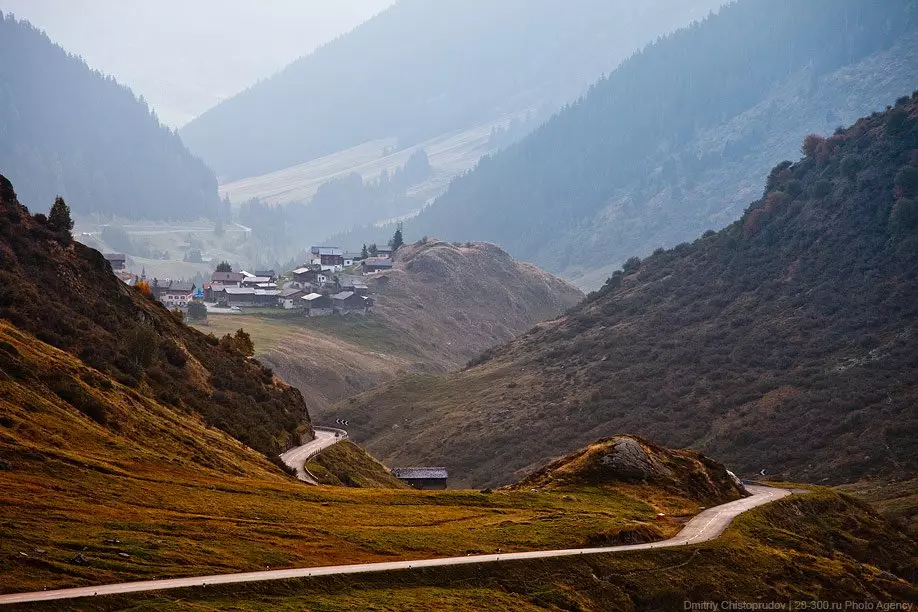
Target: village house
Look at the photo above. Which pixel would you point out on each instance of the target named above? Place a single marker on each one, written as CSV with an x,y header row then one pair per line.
x,y
426,478
384,251
115,260
227,278
247,297
372,265
271,274
349,301
262,282
172,294
329,259
310,274
289,299
178,295
317,304
350,259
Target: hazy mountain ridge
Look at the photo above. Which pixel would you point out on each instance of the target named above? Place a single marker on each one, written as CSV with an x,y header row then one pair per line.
x,y
784,342
387,78
68,130
670,143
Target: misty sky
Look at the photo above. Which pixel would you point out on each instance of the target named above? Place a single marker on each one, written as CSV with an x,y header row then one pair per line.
x,y
184,56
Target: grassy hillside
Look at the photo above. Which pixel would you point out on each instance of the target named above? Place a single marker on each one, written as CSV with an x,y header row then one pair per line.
x,y
346,464
834,549
156,493
677,139
785,342
66,295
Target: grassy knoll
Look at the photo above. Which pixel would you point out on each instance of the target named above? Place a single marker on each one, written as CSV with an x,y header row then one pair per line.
x,y
271,328
346,464
818,546
266,330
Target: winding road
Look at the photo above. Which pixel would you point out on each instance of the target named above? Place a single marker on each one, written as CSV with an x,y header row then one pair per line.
x,y
706,526
297,457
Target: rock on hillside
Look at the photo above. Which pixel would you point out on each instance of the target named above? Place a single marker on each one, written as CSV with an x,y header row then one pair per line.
x,y
632,460
65,294
455,300
785,342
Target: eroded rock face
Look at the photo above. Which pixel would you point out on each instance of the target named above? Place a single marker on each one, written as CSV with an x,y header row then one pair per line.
x,y
629,460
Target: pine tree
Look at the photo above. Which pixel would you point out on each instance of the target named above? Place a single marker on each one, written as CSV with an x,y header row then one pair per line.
x,y
364,253
397,240
59,218
224,266
374,251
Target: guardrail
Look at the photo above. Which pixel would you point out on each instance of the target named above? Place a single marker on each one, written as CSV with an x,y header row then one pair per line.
x,y
342,434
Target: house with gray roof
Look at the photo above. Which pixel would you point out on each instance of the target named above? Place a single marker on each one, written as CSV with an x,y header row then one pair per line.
x,y
426,478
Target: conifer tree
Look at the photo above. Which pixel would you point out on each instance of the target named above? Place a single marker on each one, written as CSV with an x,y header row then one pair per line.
x,y
397,240
59,218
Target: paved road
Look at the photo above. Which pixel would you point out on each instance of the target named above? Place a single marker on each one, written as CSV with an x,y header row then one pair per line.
x,y
706,526
297,457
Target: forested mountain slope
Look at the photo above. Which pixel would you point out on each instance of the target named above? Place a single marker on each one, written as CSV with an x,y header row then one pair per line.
x,y
421,69
677,139
785,342
65,294
68,130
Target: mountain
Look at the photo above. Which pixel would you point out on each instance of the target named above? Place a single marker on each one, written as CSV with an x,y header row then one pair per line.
x,y
677,139
424,69
439,306
65,294
71,131
784,342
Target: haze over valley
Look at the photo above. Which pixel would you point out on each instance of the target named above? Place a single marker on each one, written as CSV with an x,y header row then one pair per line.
x,y
459,304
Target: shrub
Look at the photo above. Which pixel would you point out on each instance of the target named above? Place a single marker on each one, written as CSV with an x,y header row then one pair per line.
x,y
821,189
907,180
904,215
71,392
632,265
812,144
197,311
897,120
141,345
851,165
144,288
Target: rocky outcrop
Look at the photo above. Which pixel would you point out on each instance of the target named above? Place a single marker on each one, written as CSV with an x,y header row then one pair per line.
x,y
632,460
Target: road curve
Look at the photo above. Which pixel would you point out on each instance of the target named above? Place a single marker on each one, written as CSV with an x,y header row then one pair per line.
x,y
297,457
706,526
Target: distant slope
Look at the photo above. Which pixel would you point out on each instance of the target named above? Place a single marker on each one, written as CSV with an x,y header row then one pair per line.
x,y
423,69
66,295
68,130
441,305
677,139
785,342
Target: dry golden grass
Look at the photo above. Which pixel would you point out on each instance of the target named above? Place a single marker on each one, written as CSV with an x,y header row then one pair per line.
x,y
181,498
818,547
